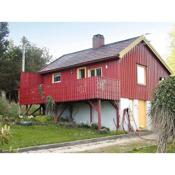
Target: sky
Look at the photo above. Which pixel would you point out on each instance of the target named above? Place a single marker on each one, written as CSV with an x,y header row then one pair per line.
x,y
66,37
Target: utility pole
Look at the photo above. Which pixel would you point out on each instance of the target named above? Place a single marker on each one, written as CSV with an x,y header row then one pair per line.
x,y
23,57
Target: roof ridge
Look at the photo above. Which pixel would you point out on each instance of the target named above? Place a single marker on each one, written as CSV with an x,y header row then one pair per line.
x,y
122,40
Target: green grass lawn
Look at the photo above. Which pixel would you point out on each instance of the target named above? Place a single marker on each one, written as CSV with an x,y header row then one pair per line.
x,y
152,149
24,136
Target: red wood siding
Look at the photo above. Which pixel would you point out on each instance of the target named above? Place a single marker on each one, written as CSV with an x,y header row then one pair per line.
x,y
128,76
68,90
119,79
110,72
29,88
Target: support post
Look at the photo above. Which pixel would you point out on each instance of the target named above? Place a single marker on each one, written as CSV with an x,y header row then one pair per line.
x,y
96,105
27,110
35,111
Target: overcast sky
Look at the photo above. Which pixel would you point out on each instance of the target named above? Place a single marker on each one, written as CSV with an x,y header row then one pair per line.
x,y
62,38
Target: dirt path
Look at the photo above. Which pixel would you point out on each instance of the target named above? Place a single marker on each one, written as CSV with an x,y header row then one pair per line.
x,y
117,145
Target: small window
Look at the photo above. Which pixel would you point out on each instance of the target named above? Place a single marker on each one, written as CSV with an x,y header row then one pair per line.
x,y
81,73
56,78
161,78
95,72
141,75
92,73
98,72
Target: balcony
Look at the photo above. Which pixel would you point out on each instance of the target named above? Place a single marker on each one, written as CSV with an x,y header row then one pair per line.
x,y
82,89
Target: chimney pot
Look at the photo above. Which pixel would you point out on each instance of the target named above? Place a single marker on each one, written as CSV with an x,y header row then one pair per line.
x,y
98,41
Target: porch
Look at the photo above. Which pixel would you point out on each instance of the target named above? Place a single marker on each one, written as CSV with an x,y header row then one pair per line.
x,y
34,91
91,91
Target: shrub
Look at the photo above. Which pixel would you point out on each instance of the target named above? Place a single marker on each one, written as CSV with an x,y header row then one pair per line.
x,y
8,109
163,112
50,106
42,119
83,125
4,136
94,126
4,105
13,110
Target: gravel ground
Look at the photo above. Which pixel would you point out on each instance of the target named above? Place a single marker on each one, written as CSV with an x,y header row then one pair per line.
x,y
96,147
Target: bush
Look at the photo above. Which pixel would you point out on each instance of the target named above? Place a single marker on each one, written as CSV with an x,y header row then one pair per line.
x,y
83,125
13,110
8,109
42,119
4,105
94,126
163,112
4,136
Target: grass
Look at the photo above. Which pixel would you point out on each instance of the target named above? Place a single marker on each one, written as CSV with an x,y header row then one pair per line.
x,y
24,136
152,149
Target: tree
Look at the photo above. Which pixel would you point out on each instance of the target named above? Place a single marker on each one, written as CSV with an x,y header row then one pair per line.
x,y
171,58
11,65
10,71
35,57
163,112
3,47
3,38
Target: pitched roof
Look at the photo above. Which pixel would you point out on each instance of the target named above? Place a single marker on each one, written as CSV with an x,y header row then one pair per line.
x,y
116,49
88,55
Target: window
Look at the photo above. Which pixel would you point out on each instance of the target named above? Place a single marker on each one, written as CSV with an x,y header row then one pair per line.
x,y
81,73
98,72
141,75
56,78
92,73
161,79
95,72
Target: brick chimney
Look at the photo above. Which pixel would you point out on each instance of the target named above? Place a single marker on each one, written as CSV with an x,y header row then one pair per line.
x,y
97,41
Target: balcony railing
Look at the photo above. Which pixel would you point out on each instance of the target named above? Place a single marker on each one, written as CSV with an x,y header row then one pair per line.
x,y
73,90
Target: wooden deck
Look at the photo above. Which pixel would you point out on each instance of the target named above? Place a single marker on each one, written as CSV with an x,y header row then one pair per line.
x,y
82,89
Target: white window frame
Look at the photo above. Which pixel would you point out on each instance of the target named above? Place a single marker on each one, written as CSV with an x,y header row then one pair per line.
x,y
145,78
89,71
78,76
53,78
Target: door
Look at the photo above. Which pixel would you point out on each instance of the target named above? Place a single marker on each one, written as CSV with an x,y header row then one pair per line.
x,y
142,114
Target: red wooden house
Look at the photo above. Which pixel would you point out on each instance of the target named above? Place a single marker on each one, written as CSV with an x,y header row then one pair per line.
x,y
95,85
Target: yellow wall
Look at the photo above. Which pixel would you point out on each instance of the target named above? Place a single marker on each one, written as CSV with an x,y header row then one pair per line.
x,y
142,114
